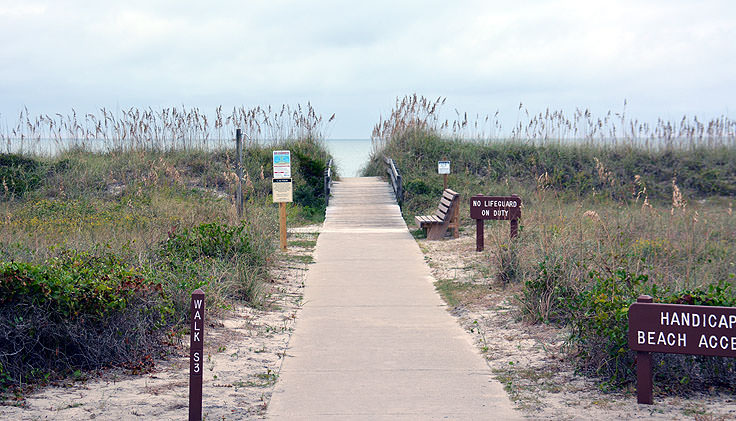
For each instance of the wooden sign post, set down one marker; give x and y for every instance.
(196, 351)
(239, 171)
(677, 329)
(282, 225)
(282, 189)
(507, 208)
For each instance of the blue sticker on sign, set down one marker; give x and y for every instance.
(281, 157)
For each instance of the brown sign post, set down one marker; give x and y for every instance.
(677, 329)
(196, 350)
(494, 207)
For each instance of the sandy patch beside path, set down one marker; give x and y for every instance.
(243, 354)
(528, 359)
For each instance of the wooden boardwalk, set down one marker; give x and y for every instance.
(374, 340)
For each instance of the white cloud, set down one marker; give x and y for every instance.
(665, 56)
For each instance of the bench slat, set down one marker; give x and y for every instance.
(427, 219)
(446, 195)
(445, 202)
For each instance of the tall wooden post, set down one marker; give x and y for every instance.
(282, 225)
(479, 236)
(196, 351)
(644, 383)
(514, 232)
(239, 171)
(444, 178)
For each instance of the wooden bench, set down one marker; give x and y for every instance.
(446, 216)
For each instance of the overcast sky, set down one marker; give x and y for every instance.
(666, 58)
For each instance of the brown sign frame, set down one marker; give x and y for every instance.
(494, 208)
(677, 329)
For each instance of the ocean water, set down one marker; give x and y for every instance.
(351, 155)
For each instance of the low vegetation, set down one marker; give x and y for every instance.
(603, 220)
(101, 245)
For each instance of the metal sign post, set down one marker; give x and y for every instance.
(196, 351)
(443, 167)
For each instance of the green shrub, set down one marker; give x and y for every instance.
(18, 175)
(598, 320)
(225, 261)
(212, 239)
(543, 296)
(419, 186)
(75, 284)
(310, 163)
(77, 311)
(509, 264)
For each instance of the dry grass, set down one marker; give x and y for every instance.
(161, 129)
(614, 129)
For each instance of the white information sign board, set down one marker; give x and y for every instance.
(443, 167)
(283, 190)
(281, 164)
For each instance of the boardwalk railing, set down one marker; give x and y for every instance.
(395, 178)
(328, 182)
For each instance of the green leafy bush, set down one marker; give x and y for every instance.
(75, 284)
(223, 259)
(544, 294)
(212, 239)
(18, 175)
(509, 264)
(598, 320)
(77, 311)
(309, 188)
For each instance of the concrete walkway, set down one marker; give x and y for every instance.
(374, 340)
